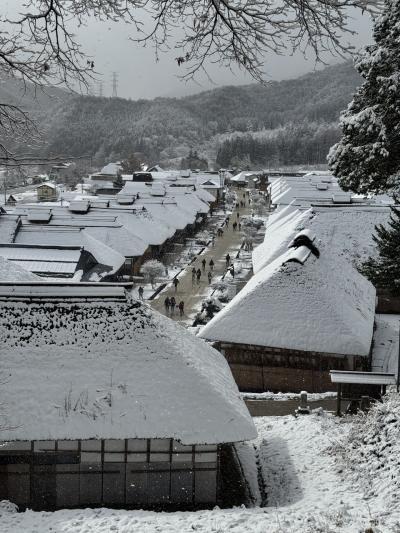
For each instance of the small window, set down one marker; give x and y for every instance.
(136, 457)
(182, 458)
(209, 457)
(114, 457)
(159, 457)
(91, 445)
(114, 445)
(90, 457)
(137, 445)
(66, 445)
(160, 445)
(44, 445)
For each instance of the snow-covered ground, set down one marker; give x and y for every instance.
(316, 481)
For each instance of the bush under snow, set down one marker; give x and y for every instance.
(371, 453)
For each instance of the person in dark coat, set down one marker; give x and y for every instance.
(193, 275)
(172, 304)
(228, 260)
(211, 263)
(181, 307)
(204, 262)
(209, 275)
(167, 304)
(198, 275)
(176, 282)
(141, 291)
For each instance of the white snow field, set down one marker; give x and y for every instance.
(316, 481)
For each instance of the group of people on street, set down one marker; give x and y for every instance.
(170, 304)
(197, 273)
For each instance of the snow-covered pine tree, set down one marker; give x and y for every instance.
(384, 271)
(367, 158)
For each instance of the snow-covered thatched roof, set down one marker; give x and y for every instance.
(347, 231)
(323, 305)
(109, 367)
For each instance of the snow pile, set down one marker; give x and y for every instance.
(78, 367)
(371, 454)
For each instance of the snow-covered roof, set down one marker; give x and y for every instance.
(120, 240)
(281, 228)
(11, 272)
(111, 168)
(125, 370)
(79, 206)
(323, 305)
(348, 231)
(53, 236)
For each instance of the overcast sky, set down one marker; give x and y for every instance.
(141, 76)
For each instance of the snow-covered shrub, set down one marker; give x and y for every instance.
(371, 452)
(152, 270)
(202, 238)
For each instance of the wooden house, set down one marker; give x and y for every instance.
(47, 192)
(110, 403)
(304, 314)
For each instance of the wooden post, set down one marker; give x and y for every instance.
(339, 399)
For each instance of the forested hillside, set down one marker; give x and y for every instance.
(284, 114)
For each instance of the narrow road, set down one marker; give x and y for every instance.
(192, 294)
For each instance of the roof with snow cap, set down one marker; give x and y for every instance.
(129, 371)
(301, 302)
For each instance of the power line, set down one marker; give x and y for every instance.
(114, 84)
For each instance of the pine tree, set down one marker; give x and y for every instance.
(367, 158)
(384, 271)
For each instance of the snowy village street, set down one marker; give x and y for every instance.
(192, 292)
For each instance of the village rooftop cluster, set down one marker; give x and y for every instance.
(109, 403)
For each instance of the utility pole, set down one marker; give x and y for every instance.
(114, 84)
(101, 89)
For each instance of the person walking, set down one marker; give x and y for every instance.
(167, 304)
(209, 275)
(176, 283)
(228, 260)
(232, 270)
(211, 263)
(234, 225)
(181, 307)
(172, 304)
(140, 291)
(237, 215)
(213, 241)
(198, 275)
(204, 262)
(193, 275)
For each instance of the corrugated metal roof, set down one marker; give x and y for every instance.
(79, 206)
(54, 267)
(28, 253)
(368, 378)
(43, 215)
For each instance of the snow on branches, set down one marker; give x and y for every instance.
(367, 158)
